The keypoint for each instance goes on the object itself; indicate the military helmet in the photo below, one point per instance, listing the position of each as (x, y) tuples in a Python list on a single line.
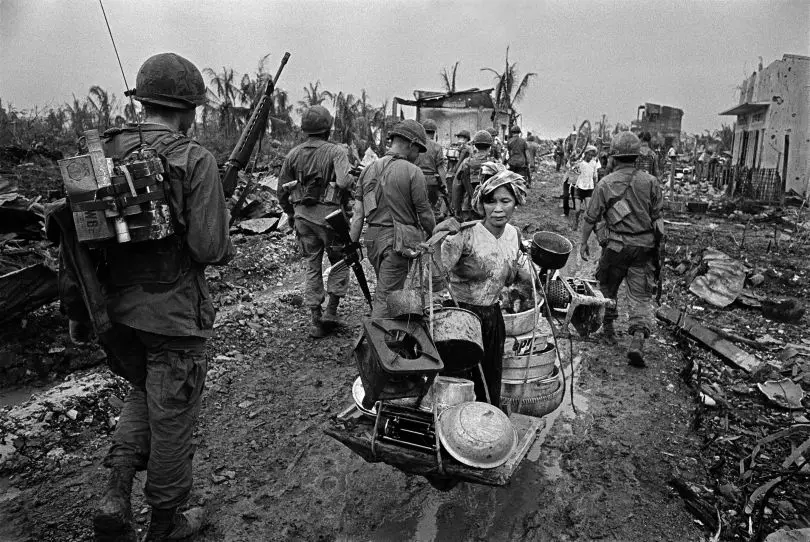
[(482, 137), (530, 138), (316, 120), (412, 131), (169, 80), (515, 129), (493, 132), (625, 144), (429, 125), (464, 133)]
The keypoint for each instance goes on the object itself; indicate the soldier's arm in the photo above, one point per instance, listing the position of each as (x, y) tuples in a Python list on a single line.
[(285, 176), (342, 167), (205, 213), (359, 216), (421, 203)]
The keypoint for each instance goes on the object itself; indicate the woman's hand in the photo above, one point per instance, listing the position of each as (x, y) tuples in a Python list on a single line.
[(449, 225)]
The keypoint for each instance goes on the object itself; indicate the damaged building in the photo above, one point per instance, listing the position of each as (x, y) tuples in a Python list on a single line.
[(472, 109), (662, 121), (771, 152)]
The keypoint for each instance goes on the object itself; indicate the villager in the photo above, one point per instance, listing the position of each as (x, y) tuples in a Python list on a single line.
[(434, 167), (315, 181), (604, 168), (392, 198), (469, 176), (518, 155), (482, 257), (559, 154), (496, 151), (586, 171), (532, 152), (648, 158), (568, 189), (630, 203), (161, 311)]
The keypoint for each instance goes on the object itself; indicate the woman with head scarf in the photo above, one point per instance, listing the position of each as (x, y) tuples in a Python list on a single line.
[(481, 258)]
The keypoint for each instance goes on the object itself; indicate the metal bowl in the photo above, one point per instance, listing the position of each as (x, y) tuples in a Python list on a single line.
[(448, 391), (359, 392), (477, 434), (550, 250)]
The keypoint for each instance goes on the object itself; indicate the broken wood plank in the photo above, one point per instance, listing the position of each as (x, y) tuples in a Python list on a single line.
[(732, 354), (25, 290), (358, 439)]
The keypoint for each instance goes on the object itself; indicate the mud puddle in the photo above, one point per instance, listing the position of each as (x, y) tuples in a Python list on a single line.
[(491, 511), (11, 397)]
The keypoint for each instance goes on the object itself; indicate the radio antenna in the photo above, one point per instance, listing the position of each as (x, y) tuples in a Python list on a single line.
[(128, 93)]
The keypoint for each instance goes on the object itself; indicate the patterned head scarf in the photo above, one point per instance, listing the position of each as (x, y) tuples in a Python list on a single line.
[(510, 179)]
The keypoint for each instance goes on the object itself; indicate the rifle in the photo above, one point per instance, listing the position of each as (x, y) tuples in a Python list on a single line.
[(244, 147), (352, 253)]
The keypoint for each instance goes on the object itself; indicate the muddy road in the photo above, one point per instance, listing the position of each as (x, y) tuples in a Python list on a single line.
[(265, 471)]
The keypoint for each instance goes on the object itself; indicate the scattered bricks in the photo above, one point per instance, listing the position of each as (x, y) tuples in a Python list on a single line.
[(756, 279), (72, 414)]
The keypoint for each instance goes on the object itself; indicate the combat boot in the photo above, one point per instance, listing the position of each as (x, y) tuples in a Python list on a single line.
[(330, 315), (316, 330), (609, 333), (112, 520), (168, 524), (635, 354)]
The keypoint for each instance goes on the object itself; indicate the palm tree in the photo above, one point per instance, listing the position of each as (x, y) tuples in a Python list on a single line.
[(79, 114), (313, 95), (280, 114), (449, 78), (104, 104), (224, 96), (346, 111), (507, 93), (131, 112)]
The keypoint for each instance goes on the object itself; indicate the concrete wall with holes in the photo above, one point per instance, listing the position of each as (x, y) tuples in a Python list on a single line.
[(762, 137)]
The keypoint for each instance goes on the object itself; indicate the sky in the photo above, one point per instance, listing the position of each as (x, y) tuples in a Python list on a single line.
[(592, 57)]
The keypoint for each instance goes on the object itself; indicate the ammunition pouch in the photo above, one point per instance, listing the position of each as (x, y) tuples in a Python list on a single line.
[(161, 261)]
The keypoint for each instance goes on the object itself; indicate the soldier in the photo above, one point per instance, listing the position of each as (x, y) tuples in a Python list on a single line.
[(496, 150), (315, 180), (532, 152), (434, 167), (392, 197), (518, 155), (468, 176), (647, 158), (461, 149), (630, 202), (161, 311)]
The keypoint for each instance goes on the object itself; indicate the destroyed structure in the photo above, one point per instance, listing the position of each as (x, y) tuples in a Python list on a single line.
[(471, 110), (771, 152), (663, 123)]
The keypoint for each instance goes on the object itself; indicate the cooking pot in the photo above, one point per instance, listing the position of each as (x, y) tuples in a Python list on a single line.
[(448, 391), (457, 336), (550, 250)]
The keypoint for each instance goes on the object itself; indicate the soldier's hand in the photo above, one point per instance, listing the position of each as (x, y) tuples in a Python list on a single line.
[(449, 225), (584, 252)]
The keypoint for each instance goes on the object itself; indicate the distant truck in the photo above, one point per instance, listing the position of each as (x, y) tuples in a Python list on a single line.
[(663, 123)]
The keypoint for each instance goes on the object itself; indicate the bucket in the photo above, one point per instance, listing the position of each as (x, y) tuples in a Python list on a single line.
[(550, 250), (539, 405), (457, 336), (540, 364)]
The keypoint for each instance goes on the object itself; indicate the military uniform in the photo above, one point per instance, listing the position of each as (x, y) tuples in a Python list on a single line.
[(519, 156), (628, 244), (468, 178), (434, 167), (648, 161)]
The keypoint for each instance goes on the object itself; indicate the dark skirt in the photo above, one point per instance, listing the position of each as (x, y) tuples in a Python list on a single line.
[(493, 336)]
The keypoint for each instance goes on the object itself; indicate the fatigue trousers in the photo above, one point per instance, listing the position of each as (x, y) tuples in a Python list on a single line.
[(314, 240), (156, 425), (635, 266), (391, 268), (568, 195)]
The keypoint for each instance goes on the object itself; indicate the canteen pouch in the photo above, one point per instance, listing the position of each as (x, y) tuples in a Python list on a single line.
[(407, 239)]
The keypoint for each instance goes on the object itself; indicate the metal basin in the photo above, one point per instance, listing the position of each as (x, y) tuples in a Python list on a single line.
[(448, 391), (457, 336), (477, 434), (541, 364), (550, 250)]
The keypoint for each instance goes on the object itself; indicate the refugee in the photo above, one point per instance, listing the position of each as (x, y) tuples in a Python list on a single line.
[(392, 198), (532, 152), (315, 181), (482, 257), (671, 154), (434, 167), (586, 180), (559, 154), (161, 311), (568, 189), (630, 203), (648, 158), (518, 155), (468, 176)]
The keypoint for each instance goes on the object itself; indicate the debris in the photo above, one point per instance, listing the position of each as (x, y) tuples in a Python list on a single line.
[(792, 535), (756, 279), (707, 400), (25, 290), (723, 280), (258, 225), (72, 413), (788, 310), (785, 393), (732, 354)]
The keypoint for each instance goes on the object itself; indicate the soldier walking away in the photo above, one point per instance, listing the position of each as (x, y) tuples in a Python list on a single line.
[(392, 198), (468, 176), (559, 154), (629, 201), (434, 167), (532, 152), (647, 159), (518, 153), (460, 150), (161, 311), (315, 180)]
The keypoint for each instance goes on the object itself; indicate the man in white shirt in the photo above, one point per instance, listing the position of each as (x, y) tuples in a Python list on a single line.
[(586, 179)]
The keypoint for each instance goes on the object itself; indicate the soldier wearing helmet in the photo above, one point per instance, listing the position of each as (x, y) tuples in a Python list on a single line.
[(392, 198), (315, 181), (469, 176), (629, 202), (161, 311), (647, 159), (458, 151), (496, 151), (434, 167), (532, 152), (518, 152)]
